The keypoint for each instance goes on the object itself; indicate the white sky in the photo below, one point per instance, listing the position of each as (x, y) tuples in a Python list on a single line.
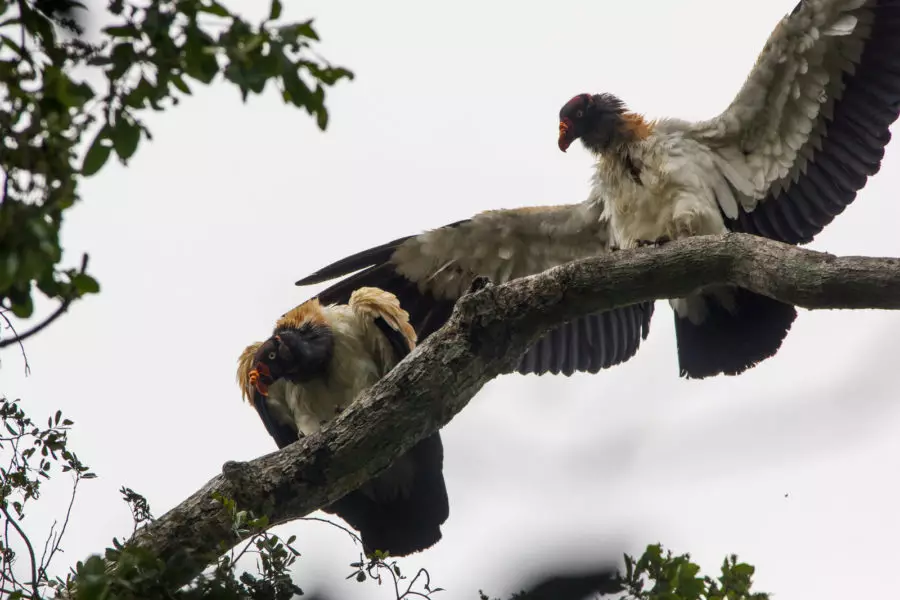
[(197, 245)]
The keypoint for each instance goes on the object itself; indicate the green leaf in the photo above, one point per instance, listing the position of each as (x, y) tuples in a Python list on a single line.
[(179, 83), (126, 136), (322, 118), (97, 154), (215, 8), (128, 30), (80, 93), (201, 65), (297, 91), (275, 10), (361, 576), (85, 284), (123, 58), (306, 30), (138, 96), (23, 307), (8, 268)]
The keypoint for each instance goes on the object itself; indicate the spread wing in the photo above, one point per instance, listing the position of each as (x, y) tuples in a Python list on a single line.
[(430, 271), (812, 120)]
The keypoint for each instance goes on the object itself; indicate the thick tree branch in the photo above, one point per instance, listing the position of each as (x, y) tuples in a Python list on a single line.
[(489, 329)]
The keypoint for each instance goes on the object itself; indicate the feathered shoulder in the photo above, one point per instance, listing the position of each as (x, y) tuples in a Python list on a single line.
[(310, 312), (376, 303), (243, 370)]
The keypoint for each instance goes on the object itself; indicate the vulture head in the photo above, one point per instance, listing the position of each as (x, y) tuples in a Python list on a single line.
[(600, 121), (296, 355)]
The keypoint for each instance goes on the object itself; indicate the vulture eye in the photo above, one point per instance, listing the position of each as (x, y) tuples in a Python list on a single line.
[(272, 355), (579, 114)]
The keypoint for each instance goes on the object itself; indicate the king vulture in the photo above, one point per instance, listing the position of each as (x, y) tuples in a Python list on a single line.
[(800, 139), (803, 134), (317, 361)]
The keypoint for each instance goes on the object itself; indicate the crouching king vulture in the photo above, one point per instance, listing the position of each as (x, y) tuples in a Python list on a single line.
[(799, 140), (317, 361)]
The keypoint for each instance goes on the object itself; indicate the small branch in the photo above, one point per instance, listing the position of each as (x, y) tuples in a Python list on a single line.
[(39, 327), (486, 334), (59, 535), (18, 339), (33, 558), (413, 581), (47, 545), (355, 537)]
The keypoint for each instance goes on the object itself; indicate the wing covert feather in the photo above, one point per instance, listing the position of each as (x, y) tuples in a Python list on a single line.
[(430, 271), (811, 122)]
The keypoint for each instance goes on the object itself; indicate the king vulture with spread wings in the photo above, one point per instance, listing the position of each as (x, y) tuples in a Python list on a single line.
[(804, 133), (317, 361)]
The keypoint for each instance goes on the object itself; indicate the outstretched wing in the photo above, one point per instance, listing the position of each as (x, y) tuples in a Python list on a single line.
[(430, 271), (812, 120)]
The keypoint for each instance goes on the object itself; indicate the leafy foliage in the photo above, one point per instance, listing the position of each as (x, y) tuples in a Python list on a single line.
[(653, 576), (28, 454), (677, 578), (378, 565), (66, 106)]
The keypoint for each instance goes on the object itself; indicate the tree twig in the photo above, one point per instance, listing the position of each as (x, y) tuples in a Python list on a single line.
[(31, 555), (59, 535), (63, 307), (349, 532), (16, 338), (486, 334)]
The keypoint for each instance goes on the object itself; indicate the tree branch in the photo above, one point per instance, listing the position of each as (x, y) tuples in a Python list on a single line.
[(60, 311), (486, 334)]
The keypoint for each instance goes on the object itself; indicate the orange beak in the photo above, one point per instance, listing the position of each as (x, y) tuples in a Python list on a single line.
[(257, 376), (564, 141)]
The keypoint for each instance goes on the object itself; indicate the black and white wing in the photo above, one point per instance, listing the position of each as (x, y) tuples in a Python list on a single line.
[(429, 272), (811, 122)]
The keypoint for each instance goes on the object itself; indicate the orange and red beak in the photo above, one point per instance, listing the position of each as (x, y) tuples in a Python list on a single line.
[(261, 378), (566, 136)]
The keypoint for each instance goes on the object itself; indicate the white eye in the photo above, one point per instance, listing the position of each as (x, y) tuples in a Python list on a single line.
[(272, 355)]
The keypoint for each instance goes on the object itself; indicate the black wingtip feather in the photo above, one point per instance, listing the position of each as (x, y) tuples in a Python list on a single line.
[(366, 258), (360, 260), (590, 343), (853, 143), (729, 344)]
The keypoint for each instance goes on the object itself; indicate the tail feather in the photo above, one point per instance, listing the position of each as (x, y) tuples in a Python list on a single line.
[(409, 522), (728, 342)]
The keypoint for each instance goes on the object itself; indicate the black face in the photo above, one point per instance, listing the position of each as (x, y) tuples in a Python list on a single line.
[(293, 354), (595, 120)]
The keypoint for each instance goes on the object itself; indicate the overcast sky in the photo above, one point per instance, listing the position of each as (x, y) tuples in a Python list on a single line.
[(197, 244)]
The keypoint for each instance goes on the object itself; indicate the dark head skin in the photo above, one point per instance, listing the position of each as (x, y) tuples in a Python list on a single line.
[(594, 119), (297, 355)]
